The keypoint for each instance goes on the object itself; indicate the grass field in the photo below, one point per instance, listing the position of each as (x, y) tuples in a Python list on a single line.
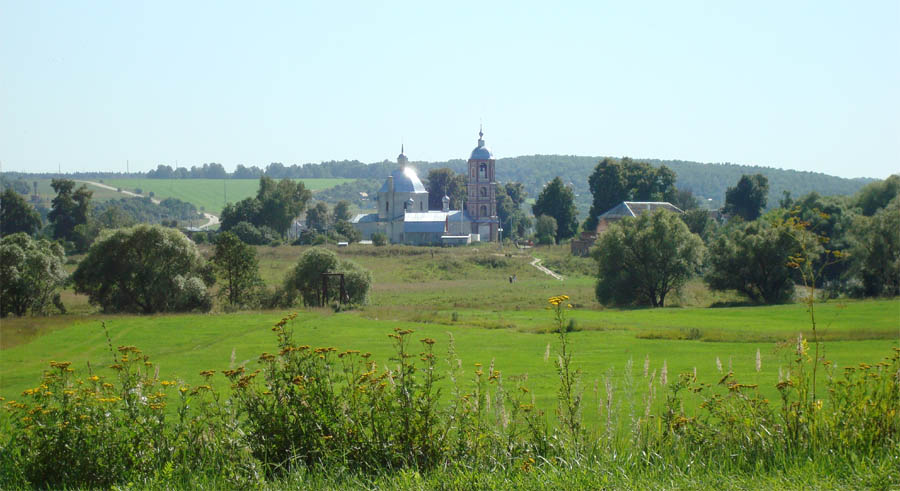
[(208, 194), (465, 294), (183, 345)]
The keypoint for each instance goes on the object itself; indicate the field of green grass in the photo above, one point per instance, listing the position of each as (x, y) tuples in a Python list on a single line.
[(208, 194), (464, 294), (516, 342)]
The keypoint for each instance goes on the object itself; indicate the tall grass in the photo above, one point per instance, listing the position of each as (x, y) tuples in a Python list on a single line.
[(331, 417)]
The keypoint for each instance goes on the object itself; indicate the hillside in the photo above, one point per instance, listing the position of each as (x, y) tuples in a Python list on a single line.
[(705, 180), (708, 181)]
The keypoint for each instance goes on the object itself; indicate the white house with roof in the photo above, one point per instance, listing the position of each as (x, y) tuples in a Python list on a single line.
[(404, 218)]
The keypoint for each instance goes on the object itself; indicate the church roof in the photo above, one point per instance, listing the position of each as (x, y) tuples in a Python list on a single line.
[(405, 181)]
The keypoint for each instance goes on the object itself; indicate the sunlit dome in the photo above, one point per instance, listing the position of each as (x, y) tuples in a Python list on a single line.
[(405, 181)]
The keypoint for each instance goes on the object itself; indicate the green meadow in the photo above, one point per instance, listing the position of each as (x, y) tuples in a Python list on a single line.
[(516, 342), (627, 359)]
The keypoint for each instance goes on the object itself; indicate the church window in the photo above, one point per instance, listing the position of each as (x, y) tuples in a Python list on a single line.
[(387, 207), (483, 210), (482, 170), (483, 192), (420, 206)]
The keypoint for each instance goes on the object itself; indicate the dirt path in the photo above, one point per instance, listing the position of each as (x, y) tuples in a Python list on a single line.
[(537, 264), (210, 218)]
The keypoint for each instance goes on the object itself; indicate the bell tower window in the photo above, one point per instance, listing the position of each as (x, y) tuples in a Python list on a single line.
[(483, 210), (482, 171)]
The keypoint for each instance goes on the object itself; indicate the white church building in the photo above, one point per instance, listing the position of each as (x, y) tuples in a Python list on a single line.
[(404, 218)]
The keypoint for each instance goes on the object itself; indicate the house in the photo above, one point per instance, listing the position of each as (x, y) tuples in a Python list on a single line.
[(625, 209)]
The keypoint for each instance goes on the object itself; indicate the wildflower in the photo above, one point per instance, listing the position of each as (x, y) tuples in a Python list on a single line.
[(207, 373), (646, 365), (719, 364), (60, 364)]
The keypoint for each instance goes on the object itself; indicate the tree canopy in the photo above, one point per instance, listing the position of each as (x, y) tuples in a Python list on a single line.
[(31, 272), (752, 258), (640, 260), (306, 277), (557, 201), (275, 206), (16, 215), (748, 198), (875, 251), (614, 181), (145, 269), (237, 267), (70, 208), (444, 182)]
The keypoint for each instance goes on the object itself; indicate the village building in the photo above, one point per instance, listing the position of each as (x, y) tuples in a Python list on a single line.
[(404, 218), (582, 245)]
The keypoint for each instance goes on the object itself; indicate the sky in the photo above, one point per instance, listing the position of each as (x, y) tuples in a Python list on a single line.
[(89, 86)]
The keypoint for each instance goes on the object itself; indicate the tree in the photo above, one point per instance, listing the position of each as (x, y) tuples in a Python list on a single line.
[(16, 215), (614, 181), (280, 203), (558, 201), (145, 269), (245, 210), (341, 211), (31, 272), (699, 222), (640, 260), (512, 219), (545, 230), (252, 235), (748, 198), (317, 217), (306, 277), (238, 269), (875, 253), (69, 208), (444, 182), (752, 258), (877, 195), (684, 199), (346, 230)]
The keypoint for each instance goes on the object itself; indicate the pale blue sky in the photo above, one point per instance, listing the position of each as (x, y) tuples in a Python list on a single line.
[(800, 85)]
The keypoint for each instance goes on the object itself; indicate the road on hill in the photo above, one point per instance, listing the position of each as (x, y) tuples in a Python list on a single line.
[(210, 218)]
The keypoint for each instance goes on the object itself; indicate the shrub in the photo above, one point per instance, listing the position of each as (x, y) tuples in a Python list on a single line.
[(250, 234), (138, 191), (306, 278), (379, 239)]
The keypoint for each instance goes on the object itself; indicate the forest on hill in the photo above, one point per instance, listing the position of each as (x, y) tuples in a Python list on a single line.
[(707, 181)]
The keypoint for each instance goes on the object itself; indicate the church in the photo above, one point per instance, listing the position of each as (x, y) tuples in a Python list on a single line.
[(404, 218)]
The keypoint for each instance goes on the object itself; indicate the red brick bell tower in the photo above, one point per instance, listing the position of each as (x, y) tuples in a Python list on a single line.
[(481, 203)]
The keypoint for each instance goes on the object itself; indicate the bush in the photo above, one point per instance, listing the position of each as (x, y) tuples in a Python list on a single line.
[(138, 191), (249, 234), (306, 278), (145, 269), (379, 239)]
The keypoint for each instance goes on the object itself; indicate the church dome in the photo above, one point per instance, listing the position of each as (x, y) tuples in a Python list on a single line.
[(481, 152), (405, 181)]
